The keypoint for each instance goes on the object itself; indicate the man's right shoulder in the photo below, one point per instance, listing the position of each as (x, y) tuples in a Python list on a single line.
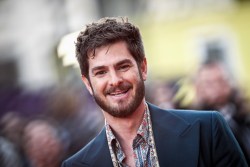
[(78, 158), (88, 153)]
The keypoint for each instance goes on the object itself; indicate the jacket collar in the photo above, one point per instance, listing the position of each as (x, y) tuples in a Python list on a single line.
[(96, 153), (175, 138)]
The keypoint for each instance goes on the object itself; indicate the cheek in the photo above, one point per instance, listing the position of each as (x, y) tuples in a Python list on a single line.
[(98, 87)]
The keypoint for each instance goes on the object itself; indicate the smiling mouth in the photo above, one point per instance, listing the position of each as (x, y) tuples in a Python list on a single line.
[(118, 93)]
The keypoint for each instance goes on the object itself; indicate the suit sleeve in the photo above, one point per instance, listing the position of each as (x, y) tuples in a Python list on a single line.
[(226, 150)]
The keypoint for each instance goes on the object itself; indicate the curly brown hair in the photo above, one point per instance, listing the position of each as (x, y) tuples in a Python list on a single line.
[(104, 32)]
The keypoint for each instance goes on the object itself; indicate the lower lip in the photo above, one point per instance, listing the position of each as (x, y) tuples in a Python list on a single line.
[(119, 97)]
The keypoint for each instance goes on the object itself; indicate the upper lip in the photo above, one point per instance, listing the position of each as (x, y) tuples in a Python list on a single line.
[(118, 92), (120, 89)]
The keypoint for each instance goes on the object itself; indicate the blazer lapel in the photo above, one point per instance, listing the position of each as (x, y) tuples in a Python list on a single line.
[(177, 141), (98, 154)]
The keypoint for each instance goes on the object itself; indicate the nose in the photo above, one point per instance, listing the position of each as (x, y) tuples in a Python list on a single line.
[(115, 79)]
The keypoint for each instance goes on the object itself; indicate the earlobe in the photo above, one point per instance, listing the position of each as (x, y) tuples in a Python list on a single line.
[(87, 84)]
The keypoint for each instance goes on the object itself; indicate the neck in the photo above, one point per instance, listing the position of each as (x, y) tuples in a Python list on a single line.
[(126, 128)]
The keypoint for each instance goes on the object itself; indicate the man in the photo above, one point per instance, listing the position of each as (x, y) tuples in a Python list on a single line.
[(213, 86), (113, 66), (215, 90), (42, 143)]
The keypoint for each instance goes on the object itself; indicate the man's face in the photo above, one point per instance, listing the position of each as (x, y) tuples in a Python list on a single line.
[(41, 140), (115, 80), (213, 86)]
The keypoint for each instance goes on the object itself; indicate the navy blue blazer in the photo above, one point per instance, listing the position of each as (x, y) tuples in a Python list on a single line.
[(183, 139)]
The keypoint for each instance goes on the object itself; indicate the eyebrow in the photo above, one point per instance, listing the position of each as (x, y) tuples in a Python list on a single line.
[(123, 62), (117, 64), (97, 68)]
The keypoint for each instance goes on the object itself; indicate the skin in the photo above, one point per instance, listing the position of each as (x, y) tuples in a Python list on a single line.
[(42, 145), (116, 81), (213, 86)]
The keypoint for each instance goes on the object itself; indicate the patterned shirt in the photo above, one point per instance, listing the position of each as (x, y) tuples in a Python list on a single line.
[(144, 150)]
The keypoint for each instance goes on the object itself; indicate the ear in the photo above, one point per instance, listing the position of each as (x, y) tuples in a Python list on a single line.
[(87, 84), (144, 69)]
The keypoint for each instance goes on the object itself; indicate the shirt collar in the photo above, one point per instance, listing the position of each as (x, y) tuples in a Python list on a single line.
[(142, 132), (109, 132)]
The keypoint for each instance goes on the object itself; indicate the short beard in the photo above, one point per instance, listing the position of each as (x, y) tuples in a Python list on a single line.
[(122, 110)]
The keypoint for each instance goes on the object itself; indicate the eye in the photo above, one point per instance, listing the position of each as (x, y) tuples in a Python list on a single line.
[(100, 73), (124, 67)]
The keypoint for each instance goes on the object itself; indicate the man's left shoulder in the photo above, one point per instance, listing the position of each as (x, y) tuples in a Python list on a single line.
[(201, 115), (183, 112), (194, 113), (187, 115)]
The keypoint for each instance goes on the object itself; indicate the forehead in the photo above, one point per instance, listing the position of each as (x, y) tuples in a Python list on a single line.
[(110, 55), (214, 72)]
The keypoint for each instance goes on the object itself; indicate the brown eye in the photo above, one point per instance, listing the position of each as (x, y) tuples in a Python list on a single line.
[(124, 67), (100, 73)]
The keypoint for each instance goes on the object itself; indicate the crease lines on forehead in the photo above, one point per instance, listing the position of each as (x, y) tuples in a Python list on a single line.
[(107, 50)]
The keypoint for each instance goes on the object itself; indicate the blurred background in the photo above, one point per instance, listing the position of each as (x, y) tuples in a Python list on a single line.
[(42, 98)]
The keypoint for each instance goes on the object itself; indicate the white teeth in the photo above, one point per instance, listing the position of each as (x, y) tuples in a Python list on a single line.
[(118, 93)]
